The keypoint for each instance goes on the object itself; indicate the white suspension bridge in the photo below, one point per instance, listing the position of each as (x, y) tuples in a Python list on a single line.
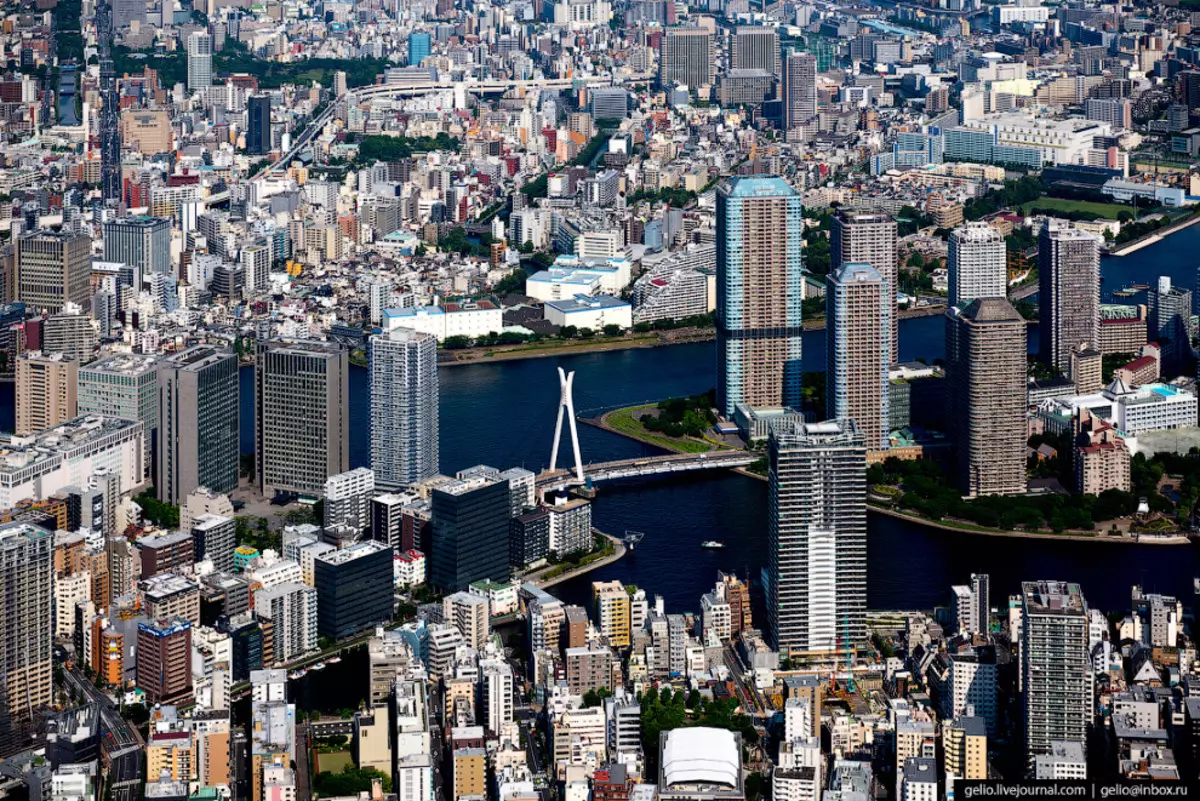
[(556, 479)]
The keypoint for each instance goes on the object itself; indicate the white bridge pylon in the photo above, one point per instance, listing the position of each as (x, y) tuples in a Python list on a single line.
[(566, 403)]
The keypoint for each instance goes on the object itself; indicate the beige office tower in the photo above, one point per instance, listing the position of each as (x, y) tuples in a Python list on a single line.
[(859, 237), (858, 350), (47, 386), (686, 58), (1068, 292), (987, 373), (799, 89), (54, 269), (301, 420), (27, 618), (756, 47)]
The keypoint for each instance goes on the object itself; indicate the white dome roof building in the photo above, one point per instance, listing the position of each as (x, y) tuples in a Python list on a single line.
[(700, 763)]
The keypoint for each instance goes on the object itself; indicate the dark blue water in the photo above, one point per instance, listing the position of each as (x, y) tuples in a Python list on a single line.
[(1171, 257), (503, 415)]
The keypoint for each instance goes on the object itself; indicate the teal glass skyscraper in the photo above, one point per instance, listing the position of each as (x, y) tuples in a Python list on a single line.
[(420, 45), (759, 293)]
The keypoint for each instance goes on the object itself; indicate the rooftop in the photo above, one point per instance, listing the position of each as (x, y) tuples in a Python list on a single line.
[(757, 186), (198, 357), (163, 540), (163, 585), (587, 303), (1053, 597), (349, 554), (701, 756), (131, 364), (64, 440)]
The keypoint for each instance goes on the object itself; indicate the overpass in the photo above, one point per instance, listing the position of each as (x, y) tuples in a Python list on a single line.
[(411, 88), (646, 466)]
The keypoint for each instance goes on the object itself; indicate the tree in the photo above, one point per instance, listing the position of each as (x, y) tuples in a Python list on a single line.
[(613, 330), (568, 332), (586, 333), (457, 342), (161, 514), (350, 782), (513, 283)]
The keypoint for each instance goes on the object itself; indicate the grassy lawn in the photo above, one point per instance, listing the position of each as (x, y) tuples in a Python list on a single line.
[(332, 763), (595, 556), (623, 420), (1106, 210)]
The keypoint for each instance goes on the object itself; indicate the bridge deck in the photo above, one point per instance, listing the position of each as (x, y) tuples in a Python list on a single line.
[(649, 466)]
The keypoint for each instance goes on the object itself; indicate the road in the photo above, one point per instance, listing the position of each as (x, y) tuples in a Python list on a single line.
[(121, 743), (1022, 292), (751, 699), (538, 764), (303, 763), (317, 125)]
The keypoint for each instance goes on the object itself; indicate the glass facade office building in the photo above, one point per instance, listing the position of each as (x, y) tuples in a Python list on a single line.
[(354, 589), (470, 537)]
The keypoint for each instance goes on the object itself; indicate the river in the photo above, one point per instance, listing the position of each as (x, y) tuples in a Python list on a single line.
[(503, 414)]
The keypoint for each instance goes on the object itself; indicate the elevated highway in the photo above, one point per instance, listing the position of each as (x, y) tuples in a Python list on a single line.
[(412, 88)]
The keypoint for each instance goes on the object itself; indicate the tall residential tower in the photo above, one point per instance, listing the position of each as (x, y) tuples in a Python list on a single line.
[(1056, 677), (1068, 292), (977, 264), (27, 618), (799, 89), (817, 539), (759, 293), (858, 350), (867, 237), (404, 407), (987, 365)]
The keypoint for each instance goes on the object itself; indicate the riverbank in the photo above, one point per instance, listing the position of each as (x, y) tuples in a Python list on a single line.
[(969, 528), (618, 553), (573, 347), (818, 323), (1153, 236), (658, 339), (624, 423), (666, 443)]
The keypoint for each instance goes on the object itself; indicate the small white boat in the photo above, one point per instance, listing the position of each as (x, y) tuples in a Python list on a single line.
[(318, 666), (333, 660), (712, 544), (297, 674)]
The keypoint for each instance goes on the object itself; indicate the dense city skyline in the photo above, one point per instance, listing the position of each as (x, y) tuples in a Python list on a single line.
[(872, 465)]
